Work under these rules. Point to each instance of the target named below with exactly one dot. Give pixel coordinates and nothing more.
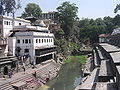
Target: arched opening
(5, 70)
(13, 65)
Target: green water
(68, 77)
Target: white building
(48, 15)
(6, 24)
(36, 41)
(104, 38)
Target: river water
(67, 79)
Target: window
(26, 51)
(36, 40)
(42, 40)
(0, 22)
(26, 40)
(18, 41)
(51, 40)
(39, 41)
(29, 41)
(0, 31)
(7, 23)
(47, 40)
(19, 23)
(23, 40)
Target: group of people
(22, 60)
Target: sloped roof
(116, 31)
(104, 35)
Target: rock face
(105, 71)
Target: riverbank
(103, 69)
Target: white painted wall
(35, 40)
(7, 24)
(12, 45)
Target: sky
(87, 8)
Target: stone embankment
(102, 70)
(44, 72)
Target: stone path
(50, 69)
(106, 73)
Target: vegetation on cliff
(76, 34)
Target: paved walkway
(21, 74)
(28, 73)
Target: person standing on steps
(34, 73)
(24, 67)
(10, 73)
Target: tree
(67, 14)
(90, 30)
(116, 20)
(32, 9)
(59, 33)
(109, 24)
(117, 8)
(10, 6)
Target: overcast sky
(87, 8)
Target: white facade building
(48, 15)
(36, 41)
(6, 24)
(104, 38)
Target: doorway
(5, 70)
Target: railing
(3, 42)
(44, 52)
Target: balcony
(42, 52)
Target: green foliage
(109, 24)
(67, 14)
(62, 46)
(59, 33)
(90, 29)
(75, 33)
(116, 20)
(81, 59)
(32, 9)
(74, 48)
(11, 6)
(117, 8)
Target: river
(67, 79)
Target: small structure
(19, 85)
(8, 64)
(103, 38)
(115, 37)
